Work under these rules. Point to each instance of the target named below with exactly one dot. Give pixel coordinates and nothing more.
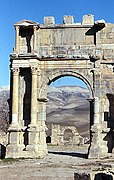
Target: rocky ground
(60, 164)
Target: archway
(75, 114)
(55, 75)
(68, 135)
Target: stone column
(15, 96)
(34, 40)
(42, 125)
(33, 132)
(15, 145)
(17, 39)
(98, 145)
(34, 97)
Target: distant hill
(4, 108)
(67, 105)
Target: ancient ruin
(46, 52)
(61, 135)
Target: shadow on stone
(85, 156)
(48, 139)
(103, 176)
(2, 151)
(82, 176)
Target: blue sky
(12, 11)
(68, 81)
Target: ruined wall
(61, 135)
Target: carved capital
(15, 71)
(35, 28)
(17, 27)
(34, 70)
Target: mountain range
(67, 105)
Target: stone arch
(68, 135)
(72, 128)
(53, 76)
(69, 132)
(58, 134)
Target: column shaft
(34, 96)
(15, 96)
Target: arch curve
(53, 76)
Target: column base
(14, 150)
(98, 148)
(14, 127)
(36, 151)
(15, 145)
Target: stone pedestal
(94, 146)
(15, 145)
(36, 147)
(33, 141)
(98, 146)
(99, 143)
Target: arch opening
(68, 135)
(77, 78)
(68, 111)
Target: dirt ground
(59, 164)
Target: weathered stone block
(88, 19)
(14, 137)
(49, 20)
(68, 19)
